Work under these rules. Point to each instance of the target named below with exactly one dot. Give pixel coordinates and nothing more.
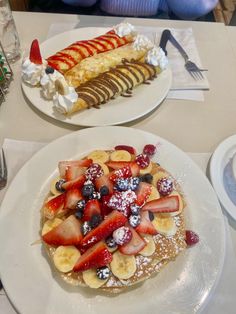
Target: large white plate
(182, 286)
(221, 174)
(145, 98)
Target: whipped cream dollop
(47, 82)
(64, 103)
(157, 57)
(124, 29)
(142, 42)
(31, 72)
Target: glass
(8, 33)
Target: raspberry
(122, 235)
(121, 201)
(191, 237)
(93, 172)
(142, 160)
(165, 186)
(149, 150)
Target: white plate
(121, 110)
(181, 287)
(221, 176)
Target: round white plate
(181, 287)
(221, 175)
(120, 110)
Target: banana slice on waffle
(123, 266)
(120, 155)
(99, 156)
(65, 258)
(150, 248)
(91, 279)
(165, 225)
(50, 224)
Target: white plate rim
(145, 135)
(114, 107)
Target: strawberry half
(95, 257)
(76, 183)
(67, 233)
(54, 205)
(91, 208)
(73, 172)
(167, 204)
(124, 172)
(104, 181)
(63, 165)
(112, 222)
(72, 198)
(135, 245)
(134, 168)
(146, 225)
(143, 192)
(129, 149)
(105, 209)
(35, 55)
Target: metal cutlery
(3, 170)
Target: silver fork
(190, 66)
(3, 170)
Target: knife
(165, 36)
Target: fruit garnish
(52, 207)
(145, 226)
(149, 150)
(129, 149)
(143, 192)
(122, 235)
(73, 172)
(142, 160)
(166, 204)
(165, 186)
(72, 198)
(88, 189)
(121, 173)
(35, 55)
(63, 165)
(134, 220)
(76, 183)
(112, 222)
(191, 237)
(66, 233)
(91, 208)
(104, 181)
(135, 245)
(103, 272)
(95, 257)
(94, 171)
(121, 201)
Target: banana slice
(150, 248)
(91, 279)
(65, 258)
(53, 189)
(120, 155)
(164, 225)
(159, 175)
(61, 86)
(123, 266)
(50, 224)
(148, 169)
(104, 168)
(99, 156)
(154, 194)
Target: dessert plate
(183, 286)
(222, 176)
(120, 110)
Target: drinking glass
(8, 33)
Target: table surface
(195, 127)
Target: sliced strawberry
(35, 55)
(135, 245)
(166, 204)
(76, 183)
(73, 172)
(95, 257)
(124, 172)
(91, 208)
(129, 149)
(143, 192)
(54, 205)
(105, 209)
(72, 198)
(146, 225)
(135, 169)
(112, 222)
(62, 165)
(104, 181)
(66, 233)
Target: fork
(190, 66)
(3, 170)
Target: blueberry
(147, 178)
(95, 196)
(49, 70)
(95, 220)
(80, 204)
(86, 227)
(58, 185)
(151, 216)
(134, 220)
(135, 209)
(110, 242)
(79, 214)
(87, 190)
(122, 184)
(103, 272)
(104, 190)
(134, 183)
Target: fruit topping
(121, 201)
(120, 155)
(76, 183)
(121, 173)
(91, 208)
(54, 205)
(142, 160)
(135, 209)
(145, 226)
(66, 233)
(151, 216)
(49, 70)
(110, 242)
(104, 190)
(123, 266)
(134, 246)
(129, 149)
(88, 190)
(94, 171)
(103, 273)
(134, 168)
(143, 192)
(134, 220)
(104, 181)
(147, 177)
(104, 205)
(73, 172)
(65, 257)
(149, 150)
(95, 220)
(122, 184)
(86, 227)
(35, 55)
(166, 204)
(63, 165)
(79, 214)
(95, 257)
(80, 205)
(191, 237)
(122, 235)
(165, 186)
(112, 222)
(73, 196)
(58, 185)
